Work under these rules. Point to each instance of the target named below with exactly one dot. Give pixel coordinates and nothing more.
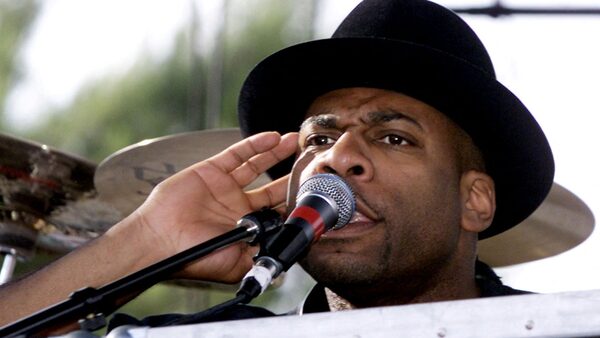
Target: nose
(347, 157)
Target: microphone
(324, 202)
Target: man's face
(399, 156)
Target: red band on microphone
(311, 216)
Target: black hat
(423, 50)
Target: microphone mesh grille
(336, 189)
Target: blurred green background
(194, 86)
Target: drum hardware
(53, 198)
(125, 179)
(37, 185)
(562, 222)
(67, 201)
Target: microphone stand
(90, 305)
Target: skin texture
(420, 206)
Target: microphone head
(337, 192)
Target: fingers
(224, 175)
(272, 194)
(234, 156)
(255, 166)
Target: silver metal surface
(335, 190)
(8, 267)
(572, 314)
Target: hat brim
(279, 90)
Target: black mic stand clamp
(263, 223)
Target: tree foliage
(149, 100)
(162, 97)
(16, 18)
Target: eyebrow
(329, 121)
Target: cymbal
(76, 222)
(562, 222)
(126, 178)
(17, 239)
(36, 177)
(46, 198)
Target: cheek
(305, 167)
(421, 228)
(305, 174)
(305, 164)
(426, 201)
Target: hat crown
(420, 22)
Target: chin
(340, 268)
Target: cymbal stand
(8, 265)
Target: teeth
(358, 217)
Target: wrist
(134, 243)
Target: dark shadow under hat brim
(279, 90)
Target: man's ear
(478, 196)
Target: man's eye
(395, 140)
(319, 140)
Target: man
(403, 104)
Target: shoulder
(490, 284)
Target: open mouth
(362, 220)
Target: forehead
(371, 105)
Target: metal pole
(8, 266)
(498, 9)
(214, 85)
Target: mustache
(364, 207)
